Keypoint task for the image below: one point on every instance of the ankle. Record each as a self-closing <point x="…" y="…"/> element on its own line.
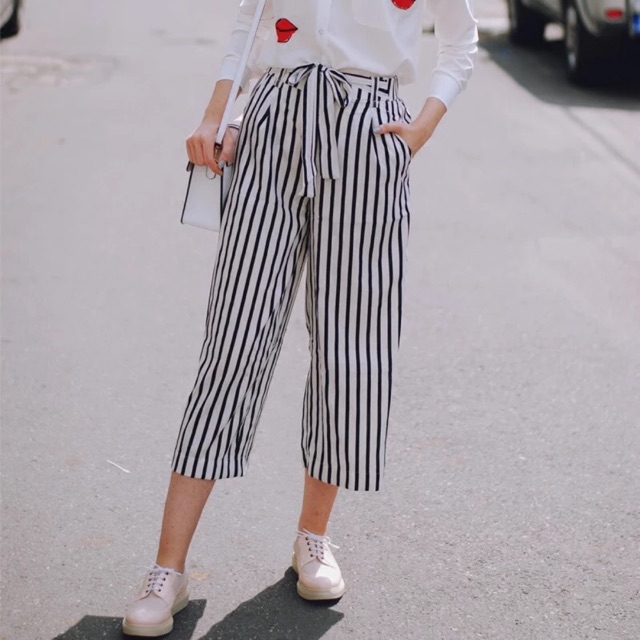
<point x="313" y="528"/>
<point x="169" y="563"/>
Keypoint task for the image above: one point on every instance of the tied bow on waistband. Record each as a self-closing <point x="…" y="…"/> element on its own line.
<point x="322" y="88"/>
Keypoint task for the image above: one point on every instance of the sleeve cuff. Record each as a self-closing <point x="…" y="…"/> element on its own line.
<point x="444" y="87"/>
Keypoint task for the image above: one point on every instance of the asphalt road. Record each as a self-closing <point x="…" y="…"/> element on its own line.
<point x="511" y="509"/>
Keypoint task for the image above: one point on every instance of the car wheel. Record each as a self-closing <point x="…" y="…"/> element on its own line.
<point x="526" y="27"/>
<point x="580" y="46"/>
<point x="11" y="27"/>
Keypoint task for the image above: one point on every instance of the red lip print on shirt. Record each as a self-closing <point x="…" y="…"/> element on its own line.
<point x="404" y="4"/>
<point x="285" y="29"/>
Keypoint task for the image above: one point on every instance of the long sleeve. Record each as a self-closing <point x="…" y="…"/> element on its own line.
<point x="457" y="34"/>
<point x="238" y="40"/>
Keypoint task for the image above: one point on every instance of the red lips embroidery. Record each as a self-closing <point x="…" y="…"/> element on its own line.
<point x="285" y="29"/>
<point x="404" y="4"/>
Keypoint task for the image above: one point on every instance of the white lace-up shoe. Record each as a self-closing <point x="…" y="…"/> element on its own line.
<point x="163" y="593"/>
<point x="319" y="576"/>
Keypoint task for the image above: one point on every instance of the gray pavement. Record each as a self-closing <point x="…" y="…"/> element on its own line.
<point x="511" y="509"/>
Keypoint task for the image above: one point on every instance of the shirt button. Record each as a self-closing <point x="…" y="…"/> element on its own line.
<point x="321" y="32"/>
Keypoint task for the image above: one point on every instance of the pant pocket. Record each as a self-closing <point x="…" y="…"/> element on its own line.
<point x="394" y="111"/>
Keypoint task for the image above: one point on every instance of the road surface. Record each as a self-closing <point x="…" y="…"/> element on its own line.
<point x="511" y="506"/>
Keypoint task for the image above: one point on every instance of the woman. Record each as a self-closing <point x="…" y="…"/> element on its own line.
<point x="321" y="180"/>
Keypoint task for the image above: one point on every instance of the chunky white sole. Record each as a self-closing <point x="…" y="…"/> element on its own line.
<point x="317" y="594"/>
<point x="156" y="630"/>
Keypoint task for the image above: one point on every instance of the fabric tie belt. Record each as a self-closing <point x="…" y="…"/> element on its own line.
<point x="322" y="88"/>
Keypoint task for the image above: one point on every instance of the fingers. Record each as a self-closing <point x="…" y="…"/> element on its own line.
<point x="211" y="154"/>
<point x="404" y="131"/>
<point x="201" y="148"/>
<point x="391" y="127"/>
<point x="229" y="145"/>
<point x="194" y="150"/>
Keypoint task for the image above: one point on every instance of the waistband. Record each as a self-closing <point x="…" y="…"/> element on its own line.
<point x="359" y="86"/>
<point x="325" y="89"/>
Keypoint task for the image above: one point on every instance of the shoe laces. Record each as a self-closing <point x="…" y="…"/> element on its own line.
<point x="156" y="578"/>
<point x="316" y="544"/>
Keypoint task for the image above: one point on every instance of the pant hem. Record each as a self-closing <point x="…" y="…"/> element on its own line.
<point x="231" y="471"/>
<point x="362" y="483"/>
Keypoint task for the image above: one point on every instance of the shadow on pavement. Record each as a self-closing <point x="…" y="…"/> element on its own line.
<point x="276" y="612"/>
<point x="106" y="628"/>
<point x="541" y="72"/>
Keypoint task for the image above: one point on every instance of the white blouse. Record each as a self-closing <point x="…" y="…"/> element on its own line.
<point x="372" y="37"/>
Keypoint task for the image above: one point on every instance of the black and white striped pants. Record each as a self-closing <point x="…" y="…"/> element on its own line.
<point x="314" y="185"/>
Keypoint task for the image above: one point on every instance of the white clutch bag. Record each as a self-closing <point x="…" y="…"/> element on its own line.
<point x="207" y="192"/>
<point x="206" y="196"/>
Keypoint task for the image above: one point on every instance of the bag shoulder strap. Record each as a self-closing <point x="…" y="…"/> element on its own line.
<point x="242" y="65"/>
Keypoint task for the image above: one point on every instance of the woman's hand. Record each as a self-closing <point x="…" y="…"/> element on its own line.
<point x="418" y="132"/>
<point x="201" y="145"/>
<point x="414" y="136"/>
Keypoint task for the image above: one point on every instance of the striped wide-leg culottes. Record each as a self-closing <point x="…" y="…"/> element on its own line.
<point x="314" y="186"/>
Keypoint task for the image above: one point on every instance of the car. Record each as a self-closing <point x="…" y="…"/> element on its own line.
<point x="595" y="31"/>
<point x="9" y="18"/>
